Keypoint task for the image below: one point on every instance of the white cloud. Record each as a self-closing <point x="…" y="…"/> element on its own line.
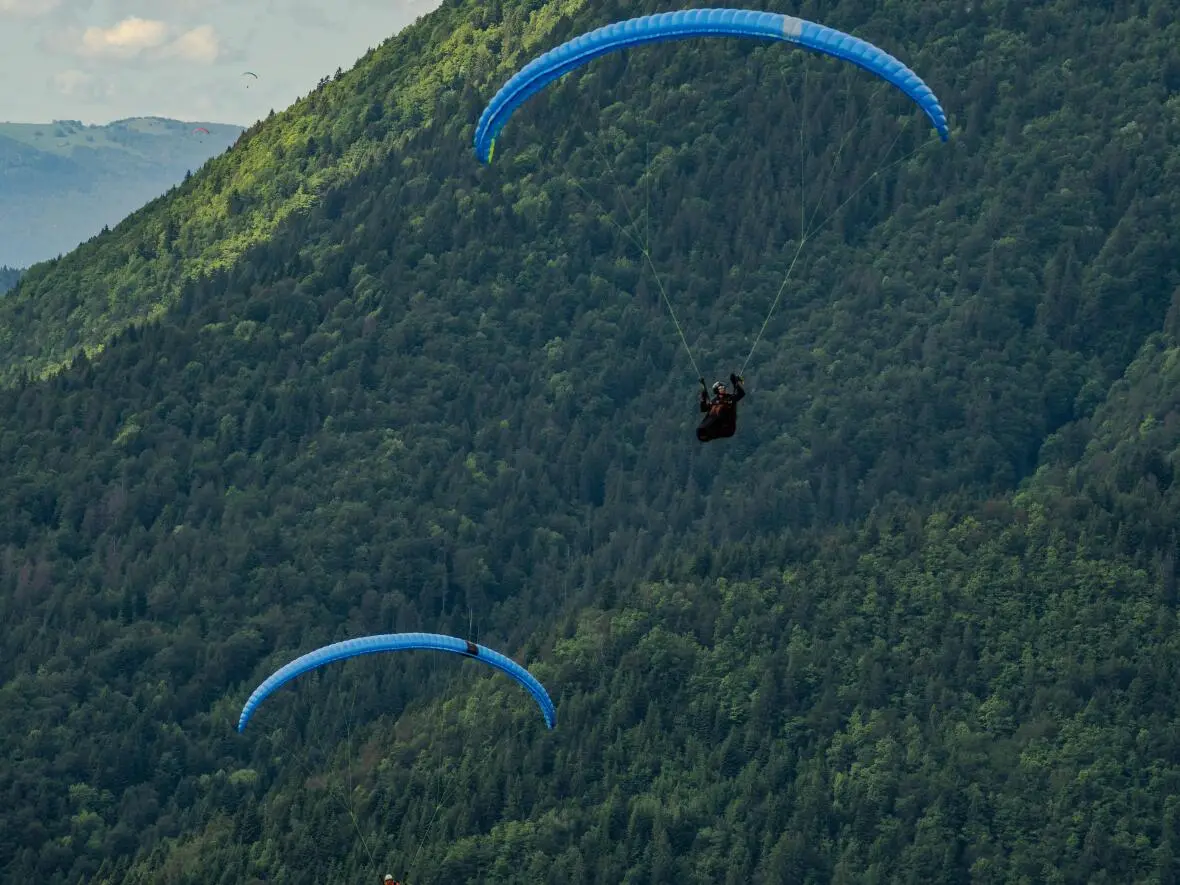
<point x="198" y="45"/>
<point x="138" y="38"/>
<point x="27" y="8"/>
<point x="126" y="39"/>
<point x="73" y="83"/>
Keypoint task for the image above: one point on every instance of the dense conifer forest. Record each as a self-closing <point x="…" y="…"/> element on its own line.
<point x="915" y="622"/>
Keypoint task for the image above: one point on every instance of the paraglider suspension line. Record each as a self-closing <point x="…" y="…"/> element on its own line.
<point x="774" y="304"/>
<point x="808" y="227"/>
<point x="351" y="807"/>
<point x="646" y="248"/>
<point x="345" y="802"/>
<point x="675" y="321"/>
<point x="809" y="230"/>
<point x="441" y="798"/>
<point x="641" y="246"/>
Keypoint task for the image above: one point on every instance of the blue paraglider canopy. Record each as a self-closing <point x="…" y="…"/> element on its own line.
<point x="396" y="642"/>
<point x="687" y="23"/>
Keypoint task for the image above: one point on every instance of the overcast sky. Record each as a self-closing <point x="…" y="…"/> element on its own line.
<point x="102" y="60"/>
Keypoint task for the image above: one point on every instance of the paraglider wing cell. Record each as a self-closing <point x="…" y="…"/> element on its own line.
<point x="555" y="63"/>
<point x="351" y="648"/>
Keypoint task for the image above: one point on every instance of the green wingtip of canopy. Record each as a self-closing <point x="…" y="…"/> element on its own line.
<point x="491" y="151"/>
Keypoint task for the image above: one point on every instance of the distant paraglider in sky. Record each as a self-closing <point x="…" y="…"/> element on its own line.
<point x="249" y="74"/>
<point x="396" y="642"/>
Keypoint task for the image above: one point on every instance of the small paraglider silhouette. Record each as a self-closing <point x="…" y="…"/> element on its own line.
<point x="249" y="74"/>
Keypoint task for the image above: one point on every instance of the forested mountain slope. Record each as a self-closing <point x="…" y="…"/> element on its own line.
<point x="916" y="621"/>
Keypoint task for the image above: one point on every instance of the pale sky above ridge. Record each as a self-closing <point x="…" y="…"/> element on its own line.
<point x="103" y="60"/>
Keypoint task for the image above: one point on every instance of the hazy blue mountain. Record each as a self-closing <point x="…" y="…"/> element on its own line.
<point x="60" y="182"/>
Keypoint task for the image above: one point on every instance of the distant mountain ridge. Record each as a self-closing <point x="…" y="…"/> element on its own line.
<point x="61" y="182"/>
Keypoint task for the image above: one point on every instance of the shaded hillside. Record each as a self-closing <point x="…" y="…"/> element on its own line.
<point x="62" y="182"/>
<point x="417" y="394"/>
<point x="1124" y="479"/>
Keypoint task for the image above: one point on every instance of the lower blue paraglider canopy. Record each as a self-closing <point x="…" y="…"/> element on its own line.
<point x="351" y="648"/>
